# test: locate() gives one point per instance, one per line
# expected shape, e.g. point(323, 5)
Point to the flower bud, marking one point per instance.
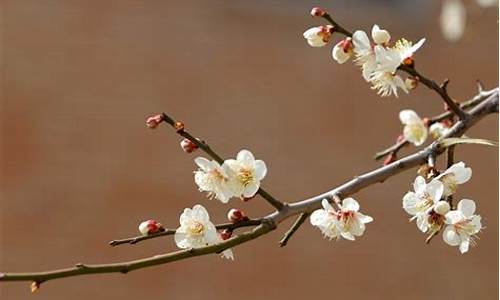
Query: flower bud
point(35, 286)
point(150, 227)
point(153, 121)
point(318, 36)
point(442, 207)
point(400, 138)
point(226, 234)
point(179, 127)
point(390, 158)
point(380, 36)
point(188, 146)
point(318, 12)
point(235, 215)
point(411, 83)
point(343, 51)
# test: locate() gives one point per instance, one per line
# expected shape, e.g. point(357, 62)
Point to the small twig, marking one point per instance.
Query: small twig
point(300, 220)
point(179, 127)
point(444, 116)
point(429, 238)
point(137, 239)
point(336, 26)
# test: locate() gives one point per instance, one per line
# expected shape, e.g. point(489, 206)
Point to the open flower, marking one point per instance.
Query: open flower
point(326, 220)
point(415, 130)
point(352, 222)
point(463, 225)
point(318, 36)
point(248, 173)
point(387, 83)
point(406, 49)
point(196, 230)
point(347, 222)
point(453, 176)
point(423, 199)
point(213, 178)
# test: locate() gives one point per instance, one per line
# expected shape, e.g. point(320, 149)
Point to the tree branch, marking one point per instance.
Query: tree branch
point(490, 105)
point(300, 220)
point(166, 232)
point(179, 127)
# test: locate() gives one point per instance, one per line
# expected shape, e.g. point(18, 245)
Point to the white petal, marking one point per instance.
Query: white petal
point(419, 185)
point(417, 46)
point(203, 163)
point(245, 157)
point(462, 174)
point(467, 207)
point(350, 204)
point(364, 218)
point(260, 169)
point(347, 235)
point(318, 217)
point(464, 245)
point(251, 189)
point(211, 236)
point(360, 41)
point(185, 217)
point(423, 222)
point(476, 221)
point(228, 254)
point(327, 206)
point(410, 201)
point(435, 189)
point(311, 32)
point(409, 116)
point(200, 213)
point(453, 18)
point(450, 237)
point(454, 216)
point(181, 240)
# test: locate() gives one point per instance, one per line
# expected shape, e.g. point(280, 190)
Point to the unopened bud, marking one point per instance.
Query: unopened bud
point(150, 227)
point(235, 215)
point(179, 126)
point(35, 286)
point(380, 36)
point(426, 121)
point(400, 138)
point(153, 121)
point(442, 207)
point(411, 83)
point(188, 146)
point(226, 234)
point(390, 158)
point(318, 12)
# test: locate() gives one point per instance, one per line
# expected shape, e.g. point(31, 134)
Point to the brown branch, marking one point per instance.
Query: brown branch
point(296, 225)
point(270, 222)
point(179, 127)
point(166, 232)
point(480, 97)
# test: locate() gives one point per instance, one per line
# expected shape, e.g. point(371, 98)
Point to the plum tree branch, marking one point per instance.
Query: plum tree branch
point(179, 127)
point(269, 223)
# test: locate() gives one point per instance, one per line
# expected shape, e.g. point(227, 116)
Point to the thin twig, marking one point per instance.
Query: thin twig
point(270, 222)
point(179, 127)
point(480, 97)
point(296, 225)
point(166, 232)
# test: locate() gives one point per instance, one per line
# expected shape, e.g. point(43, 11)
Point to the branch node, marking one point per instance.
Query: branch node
point(300, 220)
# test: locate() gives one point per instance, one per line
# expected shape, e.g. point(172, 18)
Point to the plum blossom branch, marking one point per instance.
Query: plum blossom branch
point(180, 128)
point(401, 143)
point(296, 225)
point(166, 232)
point(270, 222)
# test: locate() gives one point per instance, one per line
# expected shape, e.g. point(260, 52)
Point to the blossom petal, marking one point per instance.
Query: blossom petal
point(347, 235)
point(467, 207)
point(450, 237)
point(245, 157)
point(318, 217)
point(464, 244)
point(417, 46)
point(327, 206)
point(350, 204)
point(251, 189)
point(419, 185)
point(203, 163)
point(181, 240)
point(422, 222)
point(364, 218)
point(454, 216)
point(462, 174)
point(185, 217)
point(361, 41)
point(409, 116)
point(410, 201)
point(260, 169)
point(435, 190)
point(200, 213)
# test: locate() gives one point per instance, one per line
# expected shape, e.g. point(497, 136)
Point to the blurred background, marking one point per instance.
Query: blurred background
point(79, 167)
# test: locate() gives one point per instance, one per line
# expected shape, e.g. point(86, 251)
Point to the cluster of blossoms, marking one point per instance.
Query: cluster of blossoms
point(379, 60)
point(238, 177)
point(416, 129)
point(429, 205)
point(346, 222)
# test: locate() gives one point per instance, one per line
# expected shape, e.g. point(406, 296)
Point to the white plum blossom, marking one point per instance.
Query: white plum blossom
point(414, 130)
point(463, 225)
point(214, 179)
point(405, 48)
point(422, 200)
point(387, 83)
point(247, 174)
point(347, 222)
point(197, 231)
point(343, 51)
point(318, 36)
point(326, 220)
point(453, 176)
point(438, 130)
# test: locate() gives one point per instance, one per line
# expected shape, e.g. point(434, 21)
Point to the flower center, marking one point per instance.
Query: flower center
point(424, 204)
point(245, 176)
point(465, 227)
point(449, 181)
point(196, 228)
point(417, 130)
point(346, 217)
point(217, 175)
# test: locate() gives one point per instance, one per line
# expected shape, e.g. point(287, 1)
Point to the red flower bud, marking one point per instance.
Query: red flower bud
point(400, 138)
point(226, 234)
point(390, 158)
point(318, 12)
point(153, 121)
point(447, 123)
point(188, 146)
point(235, 215)
point(150, 227)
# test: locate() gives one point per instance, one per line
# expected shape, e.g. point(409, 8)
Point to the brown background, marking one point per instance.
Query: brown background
point(78, 166)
